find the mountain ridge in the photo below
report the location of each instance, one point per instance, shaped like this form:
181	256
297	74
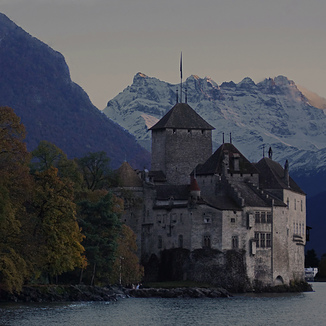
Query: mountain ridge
35	81
272	113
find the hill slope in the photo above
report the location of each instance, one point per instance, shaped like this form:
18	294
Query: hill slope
35	82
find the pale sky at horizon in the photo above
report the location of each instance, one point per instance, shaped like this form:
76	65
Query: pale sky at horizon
105	43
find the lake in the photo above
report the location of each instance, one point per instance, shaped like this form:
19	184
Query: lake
249	309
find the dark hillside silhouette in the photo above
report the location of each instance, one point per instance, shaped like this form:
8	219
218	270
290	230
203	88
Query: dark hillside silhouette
35	82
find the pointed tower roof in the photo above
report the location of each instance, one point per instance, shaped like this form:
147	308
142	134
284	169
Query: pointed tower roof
272	176
128	177
182	116
214	165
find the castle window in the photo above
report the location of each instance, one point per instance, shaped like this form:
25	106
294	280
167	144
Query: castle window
301	205
295	204
232	220
262	217
159	219
207	220
203	131
257	217
180	241
268	240
160	242
181	221
235	242
262	240
257	239
207	241
288	203
174	131
269	217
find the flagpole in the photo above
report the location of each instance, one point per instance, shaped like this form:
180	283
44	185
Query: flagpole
181	78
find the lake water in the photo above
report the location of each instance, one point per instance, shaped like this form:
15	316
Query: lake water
272	309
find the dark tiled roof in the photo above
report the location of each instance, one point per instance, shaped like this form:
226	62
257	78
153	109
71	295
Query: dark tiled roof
128	177
272	176
222	202
214	164
182	116
157	176
178	192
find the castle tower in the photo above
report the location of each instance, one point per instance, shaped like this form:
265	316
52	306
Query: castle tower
180	141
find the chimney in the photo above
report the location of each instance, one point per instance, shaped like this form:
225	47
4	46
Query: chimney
286	174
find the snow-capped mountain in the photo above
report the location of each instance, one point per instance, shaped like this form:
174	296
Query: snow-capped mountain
273	113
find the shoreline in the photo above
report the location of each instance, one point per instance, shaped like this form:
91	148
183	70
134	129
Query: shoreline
69	293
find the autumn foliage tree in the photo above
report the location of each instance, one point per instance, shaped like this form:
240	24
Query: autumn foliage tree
15	183
126	269
56	231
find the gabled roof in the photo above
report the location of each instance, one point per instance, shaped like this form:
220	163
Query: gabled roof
214	165
178	192
157	176
128	177
272	176
182	116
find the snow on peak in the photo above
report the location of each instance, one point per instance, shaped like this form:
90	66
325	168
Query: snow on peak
272	113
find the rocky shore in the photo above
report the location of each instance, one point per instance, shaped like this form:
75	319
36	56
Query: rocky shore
66	293
180	293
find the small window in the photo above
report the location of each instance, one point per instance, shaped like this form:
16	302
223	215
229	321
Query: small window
301	205
269	217
288	203
235	242
174	131
207	220
180	241
263	217
262	240
257	239
232	220
257	217
160	242
207	241
295	204
268	240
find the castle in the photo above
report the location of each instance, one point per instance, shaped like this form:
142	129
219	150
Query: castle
193	201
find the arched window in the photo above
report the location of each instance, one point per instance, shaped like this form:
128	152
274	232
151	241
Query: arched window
180	241
207	241
160	242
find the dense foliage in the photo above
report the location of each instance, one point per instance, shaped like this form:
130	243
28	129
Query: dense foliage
58	217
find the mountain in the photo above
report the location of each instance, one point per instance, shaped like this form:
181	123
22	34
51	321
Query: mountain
273	113
35	82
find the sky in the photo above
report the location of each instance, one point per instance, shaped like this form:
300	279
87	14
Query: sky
106	42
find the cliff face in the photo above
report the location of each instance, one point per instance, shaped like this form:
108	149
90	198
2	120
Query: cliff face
35	81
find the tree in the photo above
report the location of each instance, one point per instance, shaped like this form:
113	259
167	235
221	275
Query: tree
96	170
48	155
126	268
100	223
322	267
311	259
15	185
57	234
13	268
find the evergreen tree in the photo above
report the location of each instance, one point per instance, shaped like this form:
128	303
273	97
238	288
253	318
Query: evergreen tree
100	223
